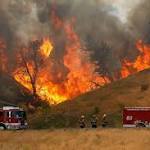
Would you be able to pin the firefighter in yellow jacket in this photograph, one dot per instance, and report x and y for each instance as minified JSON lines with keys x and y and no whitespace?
{"x":82,"y":122}
{"x":104,"y":121}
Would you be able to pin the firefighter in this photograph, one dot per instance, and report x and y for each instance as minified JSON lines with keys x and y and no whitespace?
{"x":94,"y":121}
{"x":104,"y":121}
{"x":82,"y":123}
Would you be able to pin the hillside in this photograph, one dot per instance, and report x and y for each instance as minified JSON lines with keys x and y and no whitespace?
{"x":110,"y":99}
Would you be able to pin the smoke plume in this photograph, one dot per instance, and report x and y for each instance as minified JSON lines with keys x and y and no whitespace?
{"x":96,"y":21}
{"x":139,"y":21}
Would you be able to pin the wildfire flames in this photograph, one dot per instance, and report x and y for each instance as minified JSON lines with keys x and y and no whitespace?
{"x":46,"y":48}
{"x":141,"y":62}
{"x":81,"y":76}
{"x":36,"y":69}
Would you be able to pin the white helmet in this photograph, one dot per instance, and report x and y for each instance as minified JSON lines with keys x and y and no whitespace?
{"x":104,"y":115}
{"x":82,"y":116}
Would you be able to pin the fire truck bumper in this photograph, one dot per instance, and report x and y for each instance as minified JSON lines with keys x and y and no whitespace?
{"x":134,"y":126}
{"x":16,"y":126}
{"x":23,"y":127}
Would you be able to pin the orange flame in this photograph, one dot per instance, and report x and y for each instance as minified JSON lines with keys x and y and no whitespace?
{"x":82,"y":76}
{"x":142,"y":61}
{"x":80,"y":79}
{"x":46,"y":48}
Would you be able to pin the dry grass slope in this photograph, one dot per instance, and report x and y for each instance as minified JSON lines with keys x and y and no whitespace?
{"x":111,"y":98}
{"x":109,"y":139}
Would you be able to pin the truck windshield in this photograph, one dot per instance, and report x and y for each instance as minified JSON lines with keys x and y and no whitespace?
{"x":18,"y":114}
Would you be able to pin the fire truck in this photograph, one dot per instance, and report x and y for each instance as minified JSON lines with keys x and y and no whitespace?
{"x":136,"y":117}
{"x":12,"y":118}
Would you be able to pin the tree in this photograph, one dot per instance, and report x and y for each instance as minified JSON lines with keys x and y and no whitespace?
{"x":102,"y":53}
{"x":29,"y":65}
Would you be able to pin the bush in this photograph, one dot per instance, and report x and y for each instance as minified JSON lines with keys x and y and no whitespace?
{"x":53,"y":121}
{"x":144,"y":87}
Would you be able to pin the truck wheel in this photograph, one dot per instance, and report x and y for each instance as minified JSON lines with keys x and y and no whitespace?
{"x":2,"y":127}
{"x":140,"y":125}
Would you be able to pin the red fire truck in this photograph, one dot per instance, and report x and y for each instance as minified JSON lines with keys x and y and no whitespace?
{"x":136,"y":117}
{"x":12,"y":118}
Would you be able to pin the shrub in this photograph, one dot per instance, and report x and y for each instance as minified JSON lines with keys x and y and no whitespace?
{"x":144,"y":87}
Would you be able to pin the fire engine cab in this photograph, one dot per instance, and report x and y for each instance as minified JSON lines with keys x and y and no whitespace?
{"x":136,"y":117}
{"x":12,"y":118}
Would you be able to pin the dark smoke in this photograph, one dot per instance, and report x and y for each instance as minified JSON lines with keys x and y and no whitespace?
{"x":94,"y":24}
{"x":26,"y":20}
{"x":140,"y":21}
